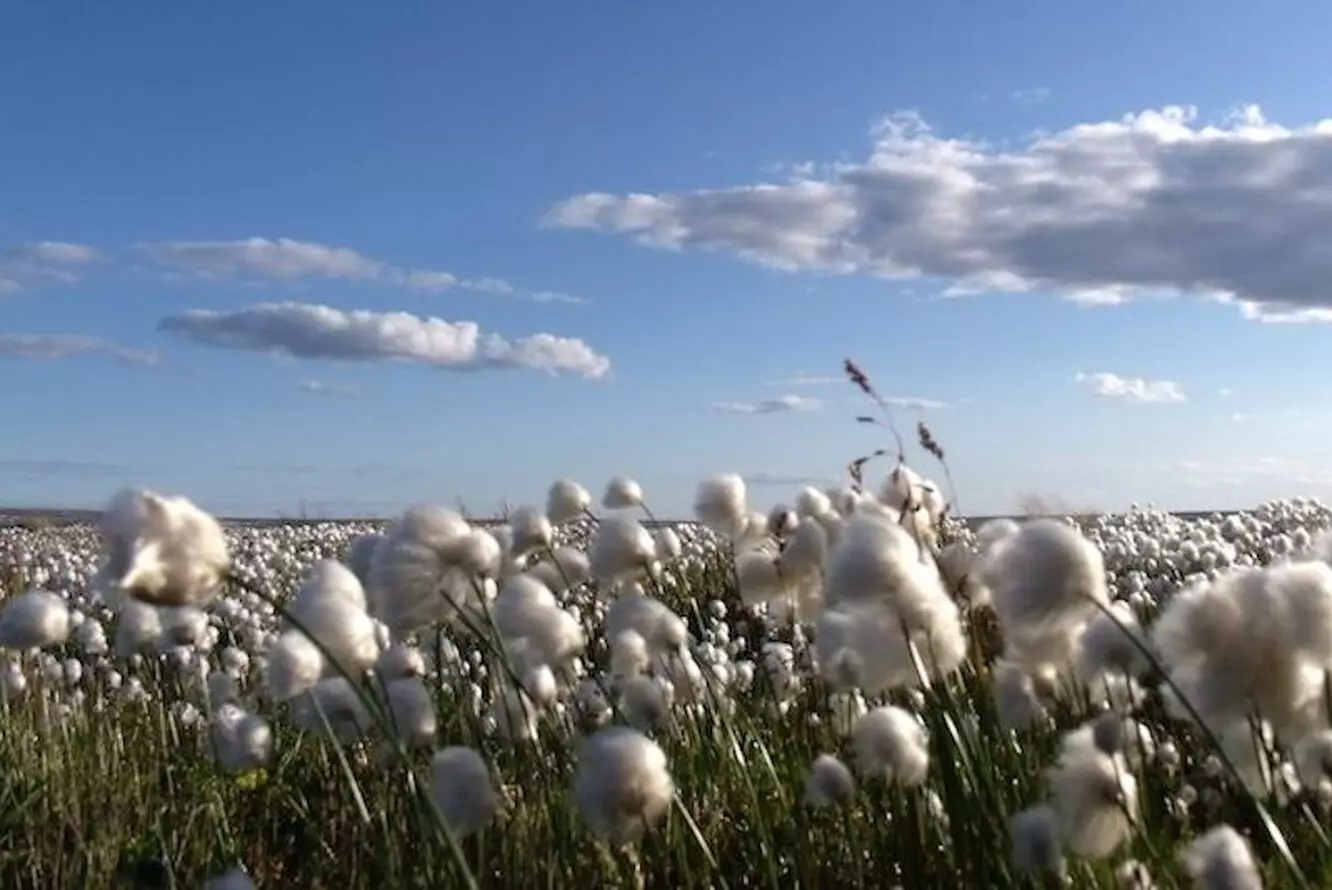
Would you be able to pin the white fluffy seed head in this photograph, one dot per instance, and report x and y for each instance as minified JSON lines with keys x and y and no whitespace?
{"x":891,"y":742}
{"x":622,"y":786}
{"x":462,"y":790}
{"x":622,"y":493}
{"x":1094,"y":796}
{"x":829,"y":782}
{"x":1045,"y":581}
{"x":566,"y":500}
{"x":161,"y":550}
{"x":1221,"y":860}
{"x":34,"y":619}
{"x":719,"y":503}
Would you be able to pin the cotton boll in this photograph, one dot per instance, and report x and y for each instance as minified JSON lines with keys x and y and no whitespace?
{"x":222,"y":689}
{"x":994,"y":532}
{"x":1094,"y":796}
{"x":866,"y":645}
{"x":622,"y":493}
{"x":1305,"y":589}
{"x":829,"y":782}
{"x":412,"y":711}
{"x":34,"y":619}
{"x":669,"y":547}
{"x":629,"y":653}
{"x":361,"y":554}
{"x":462,"y":790}
{"x":242,"y":741}
{"x":719,"y":503}
{"x":515,"y":716}
{"x":1114,"y":642}
{"x":782,"y":521}
{"x":336,"y":702}
{"x":410,"y":565}
{"x":621,"y":550}
{"x":805,"y":551}
{"x":572,"y":568}
{"x":556,"y":637}
{"x":1227,"y":646}
{"x":1222,"y":860}
{"x":891,"y":743}
{"x":1016,"y":698}
{"x":162,"y":550}
{"x":812,"y":502}
{"x":294,"y":666}
{"x":521,"y":605}
{"x":1044,"y":581}
{"x":622,"y":785}
{"x":902,"y":489}
{"x":531,"y":531}
{"x":650,"y":618}
{"x":344,"y":633}
{"x":480,"y":553}
{"x":1035,"y":842}
{"x":958,"y":565}
{"x":874,"y":559}
{"x":566,"y":500}
{"x":182,"y":626}
{"x":138,"y":627}
{"x":399,"y":661}
{"x":646,"y":701}
{"x":759,"y":578}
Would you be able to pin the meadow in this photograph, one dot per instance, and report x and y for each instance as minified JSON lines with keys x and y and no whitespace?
{"x":857,"y":689}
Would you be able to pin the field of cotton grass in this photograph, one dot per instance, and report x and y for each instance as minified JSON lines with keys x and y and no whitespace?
{"x":855,"y":690}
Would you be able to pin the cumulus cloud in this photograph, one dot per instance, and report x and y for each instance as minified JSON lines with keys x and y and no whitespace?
{"x":54,"y":347}
{"x":329,"y":390}
{"x":312,"y":331}
{"x":1133,"y":389}
{"x":287,"y":260}
{"x":1152,"y":203}
{"x":38,"y":260}
{"x":776,"y":405}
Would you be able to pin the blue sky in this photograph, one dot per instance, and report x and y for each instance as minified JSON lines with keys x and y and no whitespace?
{"x":478,"y":163}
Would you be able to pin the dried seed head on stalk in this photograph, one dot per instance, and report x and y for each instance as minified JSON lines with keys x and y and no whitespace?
{"x":928,"y":443}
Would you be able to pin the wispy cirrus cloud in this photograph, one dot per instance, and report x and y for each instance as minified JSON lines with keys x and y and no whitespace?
{"x":288,"y":260}
{"x":1131,"y":389}
{"x":328,"y":390}
{"x":779,"y":405}
{"x":764,"y":478}
{"x":1153,"y":203}
{"x":803,"y":379}
{"x":56,"y":347}
{"x":313,"y":331}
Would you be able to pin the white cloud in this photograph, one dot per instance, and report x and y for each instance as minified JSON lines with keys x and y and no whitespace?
{"x":42,"y":260}
{"x":1154,"y":202}
{"x":54,"y":347}
{"x":332,"y":390}
{"x":1268,"y":469}
{"x":1133,"y":389}
{"x":312,"y":331}
{"x":803,"y":379}
{"x":777,"y":405}
{"x":287,"y":260}
{"x":768,"y":478}
{"x":1032,"y":96}
{"x":916,"y":403}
